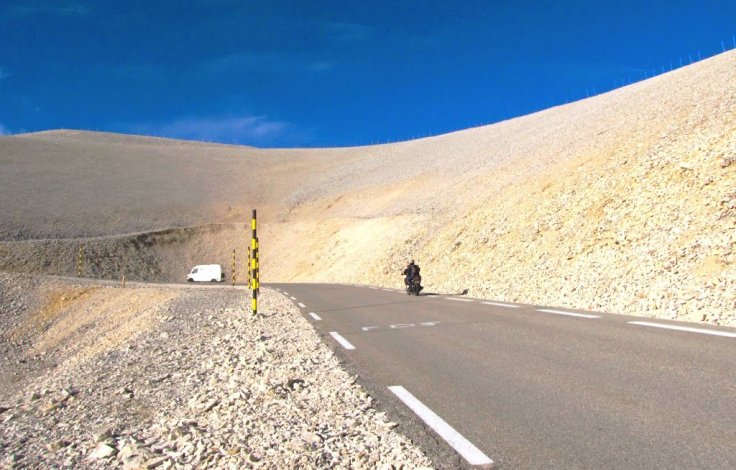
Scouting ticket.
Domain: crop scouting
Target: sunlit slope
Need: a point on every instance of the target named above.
(70, 183)
(622, 202)
(625, 202)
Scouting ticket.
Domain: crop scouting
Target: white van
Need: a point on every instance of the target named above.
(206, 273)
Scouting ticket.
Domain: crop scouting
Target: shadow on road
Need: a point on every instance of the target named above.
(463, 292)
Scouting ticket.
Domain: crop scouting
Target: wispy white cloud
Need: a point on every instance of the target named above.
(131, 72)
(264, 62)
(40, 7)
(322, 66)
(243, 62)
(348, 32)
(340, 34)
(249, 127)
(246, 130)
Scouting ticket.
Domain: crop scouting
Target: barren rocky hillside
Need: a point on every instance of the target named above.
(625, 202)
(95, 375)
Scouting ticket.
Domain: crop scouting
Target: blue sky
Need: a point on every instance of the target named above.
(276, 73)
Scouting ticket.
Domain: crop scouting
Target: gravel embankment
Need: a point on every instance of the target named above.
(206, 386)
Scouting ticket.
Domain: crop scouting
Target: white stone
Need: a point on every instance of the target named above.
(102, 451)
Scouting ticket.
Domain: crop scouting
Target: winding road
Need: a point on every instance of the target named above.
(480, 383)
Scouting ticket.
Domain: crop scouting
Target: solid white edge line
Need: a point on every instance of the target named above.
(302, 305)
(459, 300)
(464, 447)
(345, 343)
(497, 304)
(684, 328)
(315, 316)
(569, 314)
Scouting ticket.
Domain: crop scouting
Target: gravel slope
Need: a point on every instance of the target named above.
(169, 377)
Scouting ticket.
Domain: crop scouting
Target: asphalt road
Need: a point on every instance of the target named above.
(535, 389)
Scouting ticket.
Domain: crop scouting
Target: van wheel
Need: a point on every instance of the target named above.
(213, 280)
(190, 280)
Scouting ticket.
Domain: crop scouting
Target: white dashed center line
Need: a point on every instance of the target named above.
(302, 305)
(497, 304)
(464, 447)
(292, 297)
(569, 314)
(685, 328)
(459, 300)
(315, 316)
(399, 326)
(345, 343)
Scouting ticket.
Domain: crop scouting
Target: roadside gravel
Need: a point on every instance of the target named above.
(207, 385)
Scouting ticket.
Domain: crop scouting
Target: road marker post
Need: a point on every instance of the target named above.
(247, 268)
(254, 264)
(80, 260)
(232, 272)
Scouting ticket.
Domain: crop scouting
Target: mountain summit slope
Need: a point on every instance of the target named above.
(623, 202)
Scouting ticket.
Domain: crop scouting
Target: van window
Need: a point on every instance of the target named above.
(194, 271)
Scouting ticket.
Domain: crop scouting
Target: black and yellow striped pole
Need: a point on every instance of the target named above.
(232, 272)
(254, 263)
(80, 260)
(247, 267)
(258, 266)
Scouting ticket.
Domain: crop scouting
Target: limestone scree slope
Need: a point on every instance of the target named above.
(624, 202)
